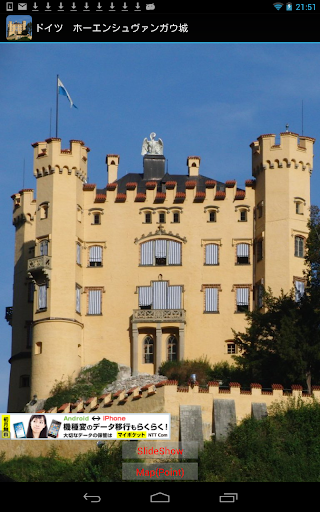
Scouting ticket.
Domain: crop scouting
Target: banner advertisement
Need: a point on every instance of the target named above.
(85, 426)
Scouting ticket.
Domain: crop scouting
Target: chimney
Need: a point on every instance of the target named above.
(153, 167)
(193, 163)
(112, 162)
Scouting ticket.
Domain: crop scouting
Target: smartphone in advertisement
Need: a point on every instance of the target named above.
(19, 430)
(54, 429)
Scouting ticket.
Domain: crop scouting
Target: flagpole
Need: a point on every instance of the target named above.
(57, 108)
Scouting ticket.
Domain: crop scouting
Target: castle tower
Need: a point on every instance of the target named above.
(57, 279)
(282, 204)
(9, 32)
(24, 207)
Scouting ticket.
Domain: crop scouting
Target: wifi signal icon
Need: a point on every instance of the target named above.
(278, 5)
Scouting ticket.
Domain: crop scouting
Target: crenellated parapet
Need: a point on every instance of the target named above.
(49, 158)
(24, 207)
(233, 390)
(167, 396)
(294, 151)
(149, 192)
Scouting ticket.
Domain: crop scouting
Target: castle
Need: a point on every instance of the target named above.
(15, 30)
(153, 266)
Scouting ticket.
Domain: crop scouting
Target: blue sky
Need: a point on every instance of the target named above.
(210, 100)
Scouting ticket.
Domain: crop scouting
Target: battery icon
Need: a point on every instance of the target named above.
(228, 497)
(288, 6)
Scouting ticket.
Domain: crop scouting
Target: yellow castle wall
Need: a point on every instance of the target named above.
(71, 339)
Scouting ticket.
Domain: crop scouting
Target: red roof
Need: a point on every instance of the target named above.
(220, 194)
(191, 184)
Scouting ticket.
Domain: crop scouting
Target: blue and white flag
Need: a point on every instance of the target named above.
(63, 90)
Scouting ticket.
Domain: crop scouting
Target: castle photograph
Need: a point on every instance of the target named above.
(19, 30)
(143, 223)
(154, 266)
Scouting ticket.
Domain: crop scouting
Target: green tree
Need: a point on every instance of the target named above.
(29, 28)
(312, 256)
(282, 342)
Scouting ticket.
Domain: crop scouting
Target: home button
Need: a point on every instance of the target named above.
(160, 497)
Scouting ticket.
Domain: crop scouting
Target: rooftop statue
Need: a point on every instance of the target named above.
(152, 147)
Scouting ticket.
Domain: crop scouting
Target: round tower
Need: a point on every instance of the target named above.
(282, 205)
(57, 326)
(20, 314)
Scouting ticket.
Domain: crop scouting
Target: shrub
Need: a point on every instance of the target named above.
(181, 370)
(227, 372)
(100, 465)
(37, 469)
(205, 372)
(284, 447)
(90, 382)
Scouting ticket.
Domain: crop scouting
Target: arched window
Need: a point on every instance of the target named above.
(176, 217)
(299, 286)
(172, 348)
(78, 253)
(44, 247)
(148, 346)
(95, 256)
(42, 297)
(211, 298)
(299, 205)
(162, 217)
(160, 252)
(242, 299)
(148, 217)
(96, 213)
(299, 246)
(242, 254)
(212, 254)
(243, 215)
(96, 218)
(212, 216)
(44, 207)
(211, 213)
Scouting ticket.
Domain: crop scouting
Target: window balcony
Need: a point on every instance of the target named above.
(39, 267)
(158, 315)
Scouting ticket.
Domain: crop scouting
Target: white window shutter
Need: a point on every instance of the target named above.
(174, 256)
(42, 299)
(147, 253)
(212, 254)
(211, 298)
(94, 302)
(145, 295)
(174, 297)
(160, 292)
